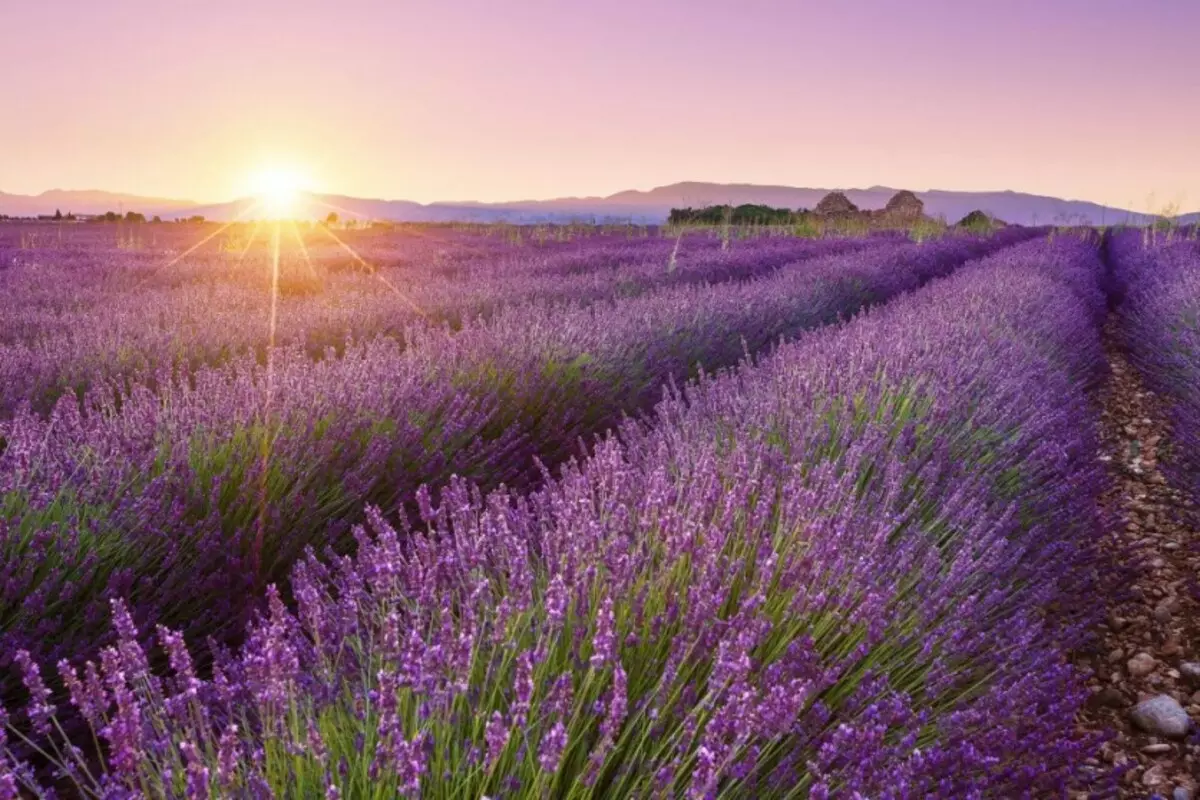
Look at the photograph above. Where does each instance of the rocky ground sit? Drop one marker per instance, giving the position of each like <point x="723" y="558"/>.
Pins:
<point x="1146" y="663"/>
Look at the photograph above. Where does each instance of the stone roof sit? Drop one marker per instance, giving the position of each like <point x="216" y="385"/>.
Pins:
<point x="905" y="203"/>
<point x="835" y="203"/>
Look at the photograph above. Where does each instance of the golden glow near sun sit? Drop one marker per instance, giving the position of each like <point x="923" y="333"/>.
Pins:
<point x="279" y="192"/>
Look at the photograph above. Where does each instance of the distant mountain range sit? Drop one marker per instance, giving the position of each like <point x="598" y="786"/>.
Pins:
<point x="89" y="201"/>
<point x="639" y="206"/>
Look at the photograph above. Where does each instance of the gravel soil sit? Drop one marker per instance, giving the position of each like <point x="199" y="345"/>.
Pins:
<point x="1152" y="626"/>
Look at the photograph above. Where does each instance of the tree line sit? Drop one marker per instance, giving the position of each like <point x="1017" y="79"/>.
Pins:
<point x="107" y="216"/>
<point x="744" y="214"/>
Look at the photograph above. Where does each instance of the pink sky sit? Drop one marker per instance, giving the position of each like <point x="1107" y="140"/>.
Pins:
<point x="512" y="99"/>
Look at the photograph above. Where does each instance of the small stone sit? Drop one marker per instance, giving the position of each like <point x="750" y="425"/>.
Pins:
<point x="1161" y="716"/>
<point x="1181" y="793"/>
<point x="1190" y="670"/>
<point x="1162" y="614"/>
<point x="1157" y="749"/>
<point x="1116" y="655"/>
<point x="1141" y="665"/>
<point x="1154" y="776"/>
<point x="1110" y="697"/>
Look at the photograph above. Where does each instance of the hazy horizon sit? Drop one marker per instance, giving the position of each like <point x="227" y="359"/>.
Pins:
<point x="569" y="196"/>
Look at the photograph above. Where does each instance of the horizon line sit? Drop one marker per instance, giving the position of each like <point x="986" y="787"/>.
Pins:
<point x="582" y="197"/>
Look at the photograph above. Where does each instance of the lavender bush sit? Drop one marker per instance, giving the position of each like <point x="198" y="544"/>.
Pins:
<point x="187" y="497"/>
<point x="78" y="316"/>
<point x="852" y="568"/>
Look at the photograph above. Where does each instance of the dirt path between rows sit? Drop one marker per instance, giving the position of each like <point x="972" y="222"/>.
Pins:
<point x="1152" y="629"/>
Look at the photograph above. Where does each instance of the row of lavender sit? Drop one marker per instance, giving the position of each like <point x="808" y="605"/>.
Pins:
<point x="77" y="316"/>
<point x="189" y="497"/>
<point x="853" y="567"/>
<point x="1160" y="328"/>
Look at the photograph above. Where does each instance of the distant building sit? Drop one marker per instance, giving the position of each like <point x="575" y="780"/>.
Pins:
<point x="904" y="206"/>
<point x="902" y="210"/>
<point x="835" y="204"/>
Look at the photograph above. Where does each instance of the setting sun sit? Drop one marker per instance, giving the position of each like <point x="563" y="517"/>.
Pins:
<point x="279" y="192"/>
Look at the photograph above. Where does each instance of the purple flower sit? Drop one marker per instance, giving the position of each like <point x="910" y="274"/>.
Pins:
<point x="496" y="736"/>
<point x="180" y="660"/>
<point x="197" y="773"/>
<point x="124" y="731"/>
<point x="9" y="789"/>
<point x="39" y="710"/>
<point x="88" y="694"/>
<point x="552" y="747"/>
<point x="316" y="745"/>
<point x="605" y="639"/>
<point x="556" y="602"/>
<point x="229" y="756"/>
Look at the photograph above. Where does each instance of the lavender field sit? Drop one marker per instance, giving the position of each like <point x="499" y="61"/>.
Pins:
<point x="463" y="511"/>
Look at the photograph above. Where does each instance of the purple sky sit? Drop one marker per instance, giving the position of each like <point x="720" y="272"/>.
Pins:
<point x="511" y="99"/>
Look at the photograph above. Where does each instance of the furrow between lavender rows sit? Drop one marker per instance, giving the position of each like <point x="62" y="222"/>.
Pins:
<point x="1160" y="325"/>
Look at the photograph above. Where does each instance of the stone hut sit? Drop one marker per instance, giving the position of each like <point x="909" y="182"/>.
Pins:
<point x="835" y="204"/>
<point x="904" y="205"/>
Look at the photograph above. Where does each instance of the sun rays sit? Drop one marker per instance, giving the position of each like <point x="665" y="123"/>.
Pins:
<point x="371" y="269"/>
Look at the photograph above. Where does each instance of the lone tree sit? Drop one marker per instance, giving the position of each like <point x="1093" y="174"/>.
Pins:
<point x="58" y="214"/>
<point x="331" y="219"/>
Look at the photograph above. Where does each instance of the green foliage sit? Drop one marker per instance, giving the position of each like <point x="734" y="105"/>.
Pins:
<point x="925" y="228"/>
<point x="979" y="222"/>
<point x="807" y="227"/>
<point x="745" y="214"/>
